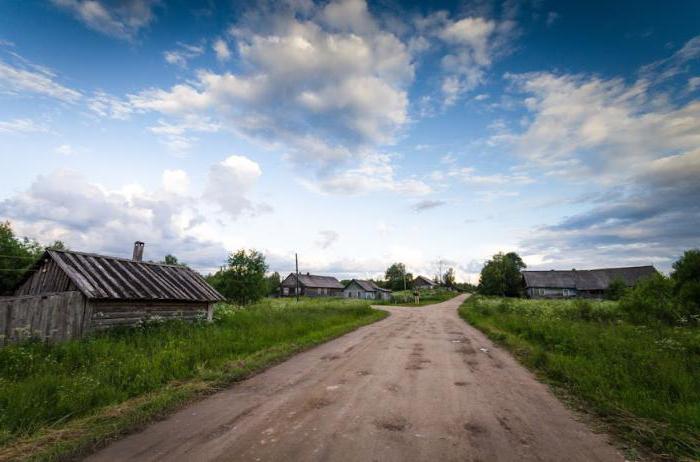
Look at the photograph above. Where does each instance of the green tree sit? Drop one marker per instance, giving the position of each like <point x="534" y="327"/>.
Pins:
<point x="57" y="245"/>
<point x="616" y="289"/>
<point x="449" y="278"/>
<point x="243" y="279"/>
<point x="170" y="260"/>
<point x="651" y="298"/>
<point x="686" y="281"/>
<point x="273" y="283"/>
<point x="395" y="276"/>
<point x="501" y="275"/>
<point x="16" y="256"/>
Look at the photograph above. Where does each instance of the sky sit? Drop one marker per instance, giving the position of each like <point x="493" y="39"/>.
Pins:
<point x="354" y="134"/>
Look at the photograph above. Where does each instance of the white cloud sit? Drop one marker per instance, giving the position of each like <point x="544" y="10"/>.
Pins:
<point x="22" y="126"/>
<point x="221" y="49"/>
<point x="182" y="54"/>
<point x="427" y="204"/>
<point x="175" y="182"/>
<point x="32" y="79"/>
<point x="106" y="105"/>
<point x="122" y="19"/>
<point x="229" y="182"/>
<point x="65" y="150"/>
<point x="175" y="135"/>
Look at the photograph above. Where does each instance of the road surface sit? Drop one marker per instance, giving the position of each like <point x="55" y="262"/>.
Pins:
<point x="421" y="385"/>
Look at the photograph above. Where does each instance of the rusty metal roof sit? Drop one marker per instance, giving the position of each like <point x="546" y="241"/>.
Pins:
<point x="112" y="278"/>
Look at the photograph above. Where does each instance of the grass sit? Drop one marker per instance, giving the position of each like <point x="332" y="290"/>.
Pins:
<point x="427" y="297"/>
<point x="643" y="380"/>
<point x="61" y="401"/>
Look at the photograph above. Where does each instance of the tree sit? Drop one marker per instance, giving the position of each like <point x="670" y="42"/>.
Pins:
<point x="449" y="278"/>
<point x="501" y="275"/>
<point x="170" y="260"/>
<point x="397" y="278"/>
<point x="243" y="280"/>
<point x="16" y="256"/>
<point x="616" y="289"/>
<point x="273" y="283"/>
<point x="57" y="245"/>
<point x="686" y="281"/>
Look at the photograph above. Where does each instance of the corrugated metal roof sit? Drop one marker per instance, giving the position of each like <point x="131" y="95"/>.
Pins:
<point x="104" y="277"/>
<point x="311" y="280"/>
<point x="595" y="279"/>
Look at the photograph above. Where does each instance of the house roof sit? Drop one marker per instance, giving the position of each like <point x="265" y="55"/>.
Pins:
<point x="311" y="280"/>
<point x="595" y="279"/>
<point x="104" y="277"/>
<point x="424" y="280"/>
<point x="367" y="286"/>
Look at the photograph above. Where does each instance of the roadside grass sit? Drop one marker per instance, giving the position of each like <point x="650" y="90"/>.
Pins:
<point x="65" y="400"/>
<point x="427" y="297"/>
<point x="642" y="380"/>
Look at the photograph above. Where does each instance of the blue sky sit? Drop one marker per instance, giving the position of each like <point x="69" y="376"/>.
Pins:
<point x="354" y="133"/>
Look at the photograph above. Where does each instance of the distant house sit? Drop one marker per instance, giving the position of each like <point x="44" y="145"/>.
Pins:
<point x="367" y="290"/>
<point x="580" y="283"/>
<point x="311" y="285"/>
<point x="422" y="282"/>
<point x="68" y="294"/>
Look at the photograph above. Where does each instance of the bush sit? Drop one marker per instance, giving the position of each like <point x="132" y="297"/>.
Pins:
<point x="686" y="280"/>
<point x="651" y="299"/>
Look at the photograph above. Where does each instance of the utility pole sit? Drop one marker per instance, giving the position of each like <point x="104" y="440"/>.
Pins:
<point x="296" y="263"/>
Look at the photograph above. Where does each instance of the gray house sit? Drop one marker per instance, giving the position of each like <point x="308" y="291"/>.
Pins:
<point x="311" y="285"/>
<point x="422" y="282"/>
<point x="367" y="290"/>
<point x="580" y="283"/>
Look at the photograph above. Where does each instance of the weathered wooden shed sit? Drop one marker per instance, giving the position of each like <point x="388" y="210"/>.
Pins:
<point x="592" y="283"/>
<point x="311" y="285"/>
<point x="422" y="282"/>
<point x="67" y="294"/>
<point x="368" y="290"/>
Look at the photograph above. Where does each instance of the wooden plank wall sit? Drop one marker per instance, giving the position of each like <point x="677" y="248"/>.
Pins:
<point x="48" y="278"/>
<point x="109" y="313"/>
<point x="51" y="317"/>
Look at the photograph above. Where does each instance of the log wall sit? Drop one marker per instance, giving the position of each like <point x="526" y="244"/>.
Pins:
<point x="110" y="313"/>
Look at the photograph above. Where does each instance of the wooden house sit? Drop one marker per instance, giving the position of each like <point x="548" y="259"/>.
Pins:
<point x="67" y="294"/>
<point x="422" y="282"/>
<point x="367" y="290"/>
<point x="580" y="283"/>
<point x="311" y="285"/>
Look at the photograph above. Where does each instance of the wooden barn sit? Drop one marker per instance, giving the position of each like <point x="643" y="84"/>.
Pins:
<point x="311" y="285"/>
<point x="67" y="294"/>
<point x="580" y="283"/>
<point x="367" y="290"/>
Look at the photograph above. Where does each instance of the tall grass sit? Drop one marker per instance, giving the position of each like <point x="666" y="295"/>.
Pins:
<point x="427" y="297"/>
<point x="48" y="385"/>
<point x="645" y="379"/>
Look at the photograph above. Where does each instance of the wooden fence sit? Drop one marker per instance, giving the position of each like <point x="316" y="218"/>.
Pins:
<point x="53" y="317"/>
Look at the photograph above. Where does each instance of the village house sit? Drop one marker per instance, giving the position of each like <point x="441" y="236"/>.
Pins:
<point x="580" y="283"/>
<point x="68" y="294"/>
<point x="311" y="285"/>
<point x="422" y="282"/>
<point x="367" y="290"/>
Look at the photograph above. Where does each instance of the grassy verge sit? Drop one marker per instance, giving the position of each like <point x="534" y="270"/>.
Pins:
<point x="427" y="297"/>
<point x="643" y="381"/>
<point x="62" y="401"/>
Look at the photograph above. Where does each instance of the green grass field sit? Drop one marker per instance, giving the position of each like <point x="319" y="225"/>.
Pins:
<point x="60" y="399"/>
<point x="643" y="380"/>
<point x="427" y="297"/>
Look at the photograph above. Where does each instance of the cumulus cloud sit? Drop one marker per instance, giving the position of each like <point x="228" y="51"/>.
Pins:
<point x="26" y="78"/>
<point x="119" y="19"/>
<point x="175" y="182"/>
<point x="67" y="206"/>
<point x="636" y="144"/>
<point x="229" y="182"/>
<point x="65" y="150"/>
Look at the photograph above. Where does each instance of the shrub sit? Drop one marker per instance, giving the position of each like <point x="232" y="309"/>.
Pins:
<point x="686" y="281"/>
<point x="616" y="289"/>
<point x="652" y="298"/>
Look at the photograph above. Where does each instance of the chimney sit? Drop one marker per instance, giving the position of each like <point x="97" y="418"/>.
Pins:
<point x="138" y="251"/>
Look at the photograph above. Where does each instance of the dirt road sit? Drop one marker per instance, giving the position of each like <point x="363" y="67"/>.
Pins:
<point x="420" y="385"/>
